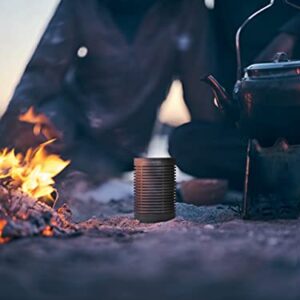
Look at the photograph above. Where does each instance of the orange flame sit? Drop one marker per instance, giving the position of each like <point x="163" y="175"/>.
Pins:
<point x="32" y="172"/>
<point x="41" y="124"/>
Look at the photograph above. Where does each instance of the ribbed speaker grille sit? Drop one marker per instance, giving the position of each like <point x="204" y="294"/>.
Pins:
<point x="154" y="189"/>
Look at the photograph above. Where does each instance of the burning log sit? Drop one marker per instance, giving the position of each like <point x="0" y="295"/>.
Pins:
<point x="24" y="216"/>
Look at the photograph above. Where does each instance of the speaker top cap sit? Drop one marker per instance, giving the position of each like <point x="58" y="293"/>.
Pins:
<point x="159" y="161"/>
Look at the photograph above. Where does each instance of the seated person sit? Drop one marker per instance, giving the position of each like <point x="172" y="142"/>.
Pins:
<point x="215" y="149"/>
<point x="99" y="75"/>
<point x="103" y="68"/>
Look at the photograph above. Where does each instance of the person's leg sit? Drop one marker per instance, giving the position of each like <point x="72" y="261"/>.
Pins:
<point x="52" y="118"/>
<point x="89" y="156"/>
<point x="208" y="150"/>
<point x="62" y="120"/>
<point x="94" y="161"/>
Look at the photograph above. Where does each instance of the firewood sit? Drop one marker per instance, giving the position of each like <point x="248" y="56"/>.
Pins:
<point x="24" y="216"/>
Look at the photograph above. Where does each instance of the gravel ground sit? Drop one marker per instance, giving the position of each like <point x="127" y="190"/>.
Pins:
<point x="205" y="253"/>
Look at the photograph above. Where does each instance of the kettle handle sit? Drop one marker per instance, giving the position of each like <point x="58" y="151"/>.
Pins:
<point x="238" y="37"/>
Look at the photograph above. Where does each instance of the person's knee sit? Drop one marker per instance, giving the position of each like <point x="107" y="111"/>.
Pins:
<point x="182" y="147"/>
<point x="207" y="150"/>
<point x="178" y="143"/>
<point x="176" y="139"/>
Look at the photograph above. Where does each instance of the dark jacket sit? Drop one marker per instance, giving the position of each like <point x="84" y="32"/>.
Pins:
<point x="117" y="88"/>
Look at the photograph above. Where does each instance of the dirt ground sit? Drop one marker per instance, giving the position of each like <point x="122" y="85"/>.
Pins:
<point x="205" y="253"/>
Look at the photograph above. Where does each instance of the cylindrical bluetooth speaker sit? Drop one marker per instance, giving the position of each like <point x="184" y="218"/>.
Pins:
<point x="154" y="189"/>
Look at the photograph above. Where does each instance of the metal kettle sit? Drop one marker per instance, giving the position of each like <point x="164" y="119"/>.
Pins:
<point x="265" y="104"/>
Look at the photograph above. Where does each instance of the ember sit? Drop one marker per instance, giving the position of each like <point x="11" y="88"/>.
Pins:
<point x="24" y="216"/>
<point x="48" y="232"/>
<point x="3" y="223"/>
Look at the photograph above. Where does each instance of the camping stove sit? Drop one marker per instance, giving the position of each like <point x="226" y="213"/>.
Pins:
<point x="265" y="105"/>
<point x="272" y="181"/>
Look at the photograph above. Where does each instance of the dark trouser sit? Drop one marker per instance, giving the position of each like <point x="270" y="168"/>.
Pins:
<point x="208" y="150"/>
<point x="96" y="157"/>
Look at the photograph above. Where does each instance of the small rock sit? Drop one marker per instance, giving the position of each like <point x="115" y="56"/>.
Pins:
<point x="250" y="234"/>
<point x="273" y="241"/>
<point x="209" y="227"/>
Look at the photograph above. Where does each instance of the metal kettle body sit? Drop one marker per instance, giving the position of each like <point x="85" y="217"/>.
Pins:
<point x="269" y="108"/>
<point x="265" y="104"/>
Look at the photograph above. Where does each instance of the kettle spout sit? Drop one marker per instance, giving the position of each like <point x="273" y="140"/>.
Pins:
<point x="223" y="101"/>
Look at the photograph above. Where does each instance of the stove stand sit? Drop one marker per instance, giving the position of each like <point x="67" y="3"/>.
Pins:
<point x="272" y="181"/>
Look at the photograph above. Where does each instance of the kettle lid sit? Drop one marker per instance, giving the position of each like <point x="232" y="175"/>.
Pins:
<point x="281" y="66"/>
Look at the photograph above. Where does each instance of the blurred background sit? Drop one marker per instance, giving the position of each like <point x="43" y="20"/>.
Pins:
<point x="22" y="23"/>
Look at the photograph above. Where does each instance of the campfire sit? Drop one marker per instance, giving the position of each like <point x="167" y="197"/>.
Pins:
<point x="27" y="192"/>
<point x="28" y="195"/>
